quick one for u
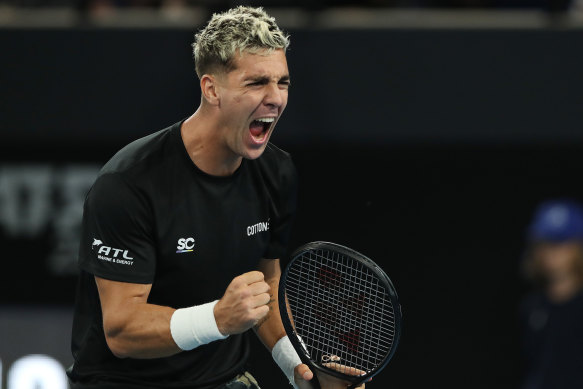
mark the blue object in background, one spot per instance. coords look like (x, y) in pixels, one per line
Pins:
(557, 220)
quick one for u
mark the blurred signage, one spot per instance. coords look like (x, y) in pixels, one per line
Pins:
(45, 202)
(36, 371)
(34, 347)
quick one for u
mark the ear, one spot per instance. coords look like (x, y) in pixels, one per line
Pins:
(209, 89)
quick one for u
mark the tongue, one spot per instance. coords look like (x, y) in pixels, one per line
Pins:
(256, 128)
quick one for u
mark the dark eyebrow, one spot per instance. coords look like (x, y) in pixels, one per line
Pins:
(257, 79)
(263, 79)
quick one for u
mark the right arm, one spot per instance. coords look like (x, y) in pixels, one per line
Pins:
(132, 327)
(136, 329)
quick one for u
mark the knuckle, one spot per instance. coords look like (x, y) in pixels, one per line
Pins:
(263, 310)
(246, 305)
(250, 318)
(235, 282)
(244, 293)
(265, 297)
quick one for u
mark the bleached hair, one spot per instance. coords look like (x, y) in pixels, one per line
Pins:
(238, 30)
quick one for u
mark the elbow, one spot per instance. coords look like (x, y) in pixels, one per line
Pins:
(113, 338)
(117, 348)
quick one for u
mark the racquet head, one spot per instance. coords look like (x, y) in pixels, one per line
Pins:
(340, 311)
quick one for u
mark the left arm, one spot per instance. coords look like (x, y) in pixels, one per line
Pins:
(270, 330)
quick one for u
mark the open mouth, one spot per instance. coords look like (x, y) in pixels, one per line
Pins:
(260, 127)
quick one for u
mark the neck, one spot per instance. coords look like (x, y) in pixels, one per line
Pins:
(202, 137)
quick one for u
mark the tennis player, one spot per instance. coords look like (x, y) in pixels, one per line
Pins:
(182, 231)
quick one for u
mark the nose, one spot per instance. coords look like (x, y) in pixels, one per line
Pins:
(274, 96)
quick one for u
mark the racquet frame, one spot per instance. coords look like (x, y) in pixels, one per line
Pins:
(289, 327)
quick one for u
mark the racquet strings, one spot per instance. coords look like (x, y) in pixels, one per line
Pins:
(341, 311)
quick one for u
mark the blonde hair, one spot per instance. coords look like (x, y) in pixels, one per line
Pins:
(234, 31)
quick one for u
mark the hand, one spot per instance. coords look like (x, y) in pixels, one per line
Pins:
(243, 304)
(303, 375)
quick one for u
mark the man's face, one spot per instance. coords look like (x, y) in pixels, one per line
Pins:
(251, 99)
(557, 259)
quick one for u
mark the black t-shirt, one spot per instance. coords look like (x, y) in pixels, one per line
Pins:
(153, 217)
(552, 342)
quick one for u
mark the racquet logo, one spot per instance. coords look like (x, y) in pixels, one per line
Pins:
(329, 277)
(348, 309)
(326, 313)
(354, 305)
(351, 339)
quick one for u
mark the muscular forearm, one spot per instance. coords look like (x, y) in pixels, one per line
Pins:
(272, 333)
(142, 331)
(270, 329)
(132, 327)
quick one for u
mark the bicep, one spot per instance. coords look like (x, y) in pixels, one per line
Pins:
(133, 327)
(118, 298)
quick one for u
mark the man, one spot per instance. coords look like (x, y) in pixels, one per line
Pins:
(177, 223)
(552, 315)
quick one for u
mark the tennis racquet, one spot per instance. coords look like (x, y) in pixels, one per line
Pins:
(340, 311)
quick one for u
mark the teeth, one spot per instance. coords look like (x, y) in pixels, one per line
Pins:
(265, 120)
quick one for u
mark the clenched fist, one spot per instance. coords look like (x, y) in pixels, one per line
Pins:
(243, 304)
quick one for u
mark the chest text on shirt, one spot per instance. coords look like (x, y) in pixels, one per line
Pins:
(257, 228)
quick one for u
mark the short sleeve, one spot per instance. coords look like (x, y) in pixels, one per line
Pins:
(283, 214)
(116, 239)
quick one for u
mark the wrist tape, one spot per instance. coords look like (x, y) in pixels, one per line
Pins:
(286, 358)
(194, 326)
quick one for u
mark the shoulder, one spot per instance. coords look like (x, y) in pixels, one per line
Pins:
(136, 166)
(140, 151)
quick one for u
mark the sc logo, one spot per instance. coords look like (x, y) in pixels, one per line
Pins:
(185, 244)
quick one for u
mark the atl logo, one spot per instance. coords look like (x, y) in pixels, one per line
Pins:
(106, 250)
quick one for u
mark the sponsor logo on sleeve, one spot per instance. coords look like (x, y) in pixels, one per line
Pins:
(111, 254)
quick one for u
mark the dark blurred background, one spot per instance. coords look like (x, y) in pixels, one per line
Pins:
(425, 132)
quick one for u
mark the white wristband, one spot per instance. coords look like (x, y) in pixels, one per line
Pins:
(194, 326)
(286, 358)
